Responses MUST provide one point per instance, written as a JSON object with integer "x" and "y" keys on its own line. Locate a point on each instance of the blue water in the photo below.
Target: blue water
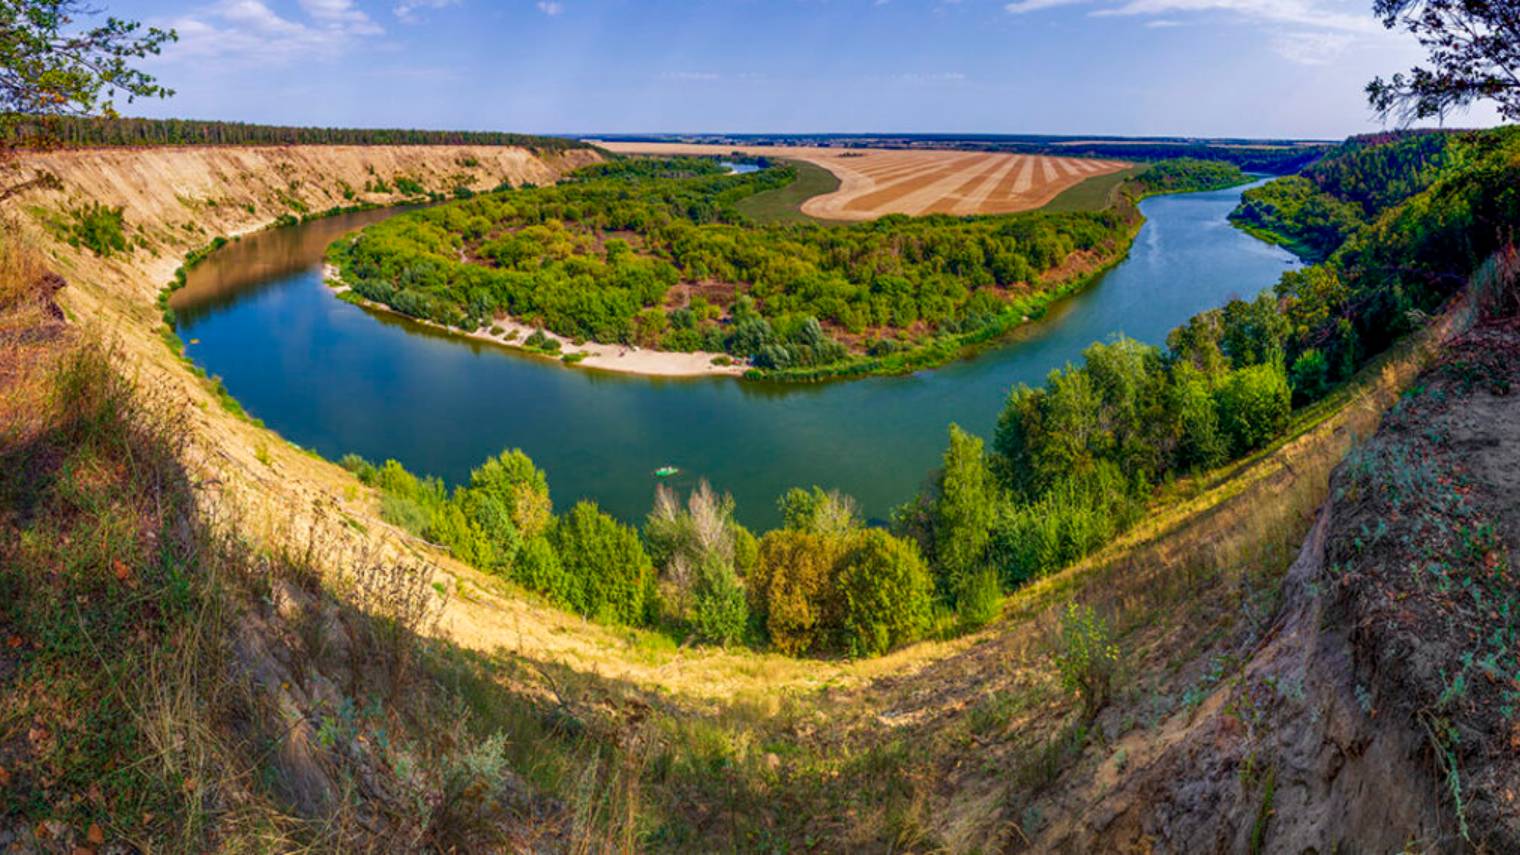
{"x": 330, "y": 376}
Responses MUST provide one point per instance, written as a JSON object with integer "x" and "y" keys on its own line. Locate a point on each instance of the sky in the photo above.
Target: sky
{"x": 1237, "y": 68}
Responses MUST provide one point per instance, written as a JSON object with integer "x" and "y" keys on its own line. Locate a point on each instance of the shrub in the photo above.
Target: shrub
{"x": 538, "y": 569}
{"x": 791, "y": 592}
{"x": 885, "y": 594}
{"x": 1254, "y": 405}
{"x": 977, "y": 599}
{"x": 1088, "y": 659}
{"x": 1310, "y": 376}
{"x": 719, "y": 610}
{"x": 608, "y": 568}
{"x": 99, "y": 228}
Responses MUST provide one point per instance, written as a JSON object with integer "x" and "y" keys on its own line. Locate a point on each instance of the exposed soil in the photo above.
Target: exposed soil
{"x": 1381, "y": 710}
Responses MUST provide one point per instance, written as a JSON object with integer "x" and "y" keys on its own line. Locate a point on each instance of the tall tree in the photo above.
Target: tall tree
{"x": 54, "y": 61}
{"x": 1474, "y": 53}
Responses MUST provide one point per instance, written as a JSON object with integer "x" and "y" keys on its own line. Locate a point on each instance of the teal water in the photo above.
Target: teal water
{"x": 336, "y": 378}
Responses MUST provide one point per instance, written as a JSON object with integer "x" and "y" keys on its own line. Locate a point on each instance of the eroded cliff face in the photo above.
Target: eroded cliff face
{"x": 1380, "y": 712}
{"x": 174, "y": 199}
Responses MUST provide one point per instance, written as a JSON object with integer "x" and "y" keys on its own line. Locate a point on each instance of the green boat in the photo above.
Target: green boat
{"x": 665, "y": 471}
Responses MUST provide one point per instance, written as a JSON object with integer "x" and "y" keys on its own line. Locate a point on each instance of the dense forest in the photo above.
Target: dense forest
{"x": 1313, "y": 213}
{"x": 100, "y": 131}
{"x": 1072, "y": 463}
{"x": 653, "y": 253}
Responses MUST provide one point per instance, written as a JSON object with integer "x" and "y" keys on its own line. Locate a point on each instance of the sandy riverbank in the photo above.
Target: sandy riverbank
{"x": 625, "y": 359}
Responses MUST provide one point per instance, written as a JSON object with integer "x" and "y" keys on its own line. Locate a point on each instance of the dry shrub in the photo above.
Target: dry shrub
{"x": 1496, "y": 284}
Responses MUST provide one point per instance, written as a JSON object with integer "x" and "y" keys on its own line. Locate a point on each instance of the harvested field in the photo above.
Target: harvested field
{"x": 875, "y": 182}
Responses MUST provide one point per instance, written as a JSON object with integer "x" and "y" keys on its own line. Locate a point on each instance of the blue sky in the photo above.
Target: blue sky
{"x": 1252, "y": 68}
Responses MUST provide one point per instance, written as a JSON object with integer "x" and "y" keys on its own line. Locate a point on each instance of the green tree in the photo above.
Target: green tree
{"x": 963, "y": 513}
{"x": 1254, "y": 406}
{"x": 607, "y": 566}
{"x": 1200, "y": 444}
{"x": 885, "y": 594}
{"x": 520, "y": 487}
{"x": 1310, "y": 376}
{"x": 818, "y": 512}
{"x": 52, "y": 63}
{"x": 719, "y": 611}
{"x": 1474, "y": 52}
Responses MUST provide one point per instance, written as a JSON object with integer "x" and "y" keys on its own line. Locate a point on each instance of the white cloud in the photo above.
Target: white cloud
{"x": 690, "y": 75}
{"x": 550, "y": 8}
{"x": 407, "y": 9}
{"x": 343, "y": 14}
{"x": 1023, "y": 7}
{"x": 1162, "y": 24}
{"x": 1311, "y": 48}
{"x": 250, "y": 30}
{"x": 1301, "y": 13}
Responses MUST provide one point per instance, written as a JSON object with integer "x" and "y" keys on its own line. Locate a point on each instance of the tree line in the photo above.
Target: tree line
{"x": 79, "y": 131}
{"x": 1315, "y": 212}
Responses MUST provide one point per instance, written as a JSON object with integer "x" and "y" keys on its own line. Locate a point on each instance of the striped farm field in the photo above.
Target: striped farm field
{"x": 875, "y": 182}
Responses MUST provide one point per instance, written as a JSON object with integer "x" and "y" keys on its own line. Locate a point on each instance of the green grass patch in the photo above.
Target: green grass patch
{"x": 1098, "y": 193}
{"x": 784, "y": 204}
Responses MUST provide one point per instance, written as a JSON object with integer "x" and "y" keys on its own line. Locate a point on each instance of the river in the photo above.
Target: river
{"x": 336, "y": 378}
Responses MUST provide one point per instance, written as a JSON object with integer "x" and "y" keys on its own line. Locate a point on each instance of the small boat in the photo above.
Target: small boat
{"x": 665, "y": 471}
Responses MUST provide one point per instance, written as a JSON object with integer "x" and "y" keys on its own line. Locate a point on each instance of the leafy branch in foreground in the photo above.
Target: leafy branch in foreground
{"x": 1474, "y": 53}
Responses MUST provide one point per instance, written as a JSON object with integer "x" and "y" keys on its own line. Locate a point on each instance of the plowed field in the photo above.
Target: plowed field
{"x": 874, "y": 182}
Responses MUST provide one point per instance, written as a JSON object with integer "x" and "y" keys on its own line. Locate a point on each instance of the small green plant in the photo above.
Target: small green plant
{"x": 1088, "y": 658}
{"x": 409, "y": 186}
{"x": 98, "y": 228}
{"x": 261, "y": 453}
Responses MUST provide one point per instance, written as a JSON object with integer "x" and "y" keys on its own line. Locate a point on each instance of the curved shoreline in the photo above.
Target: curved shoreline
{"x": 622, "y": 359}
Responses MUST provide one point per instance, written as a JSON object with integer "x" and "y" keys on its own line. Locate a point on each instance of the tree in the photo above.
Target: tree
{"x": 885, "y": 594}
{"x": 52, "y": 65}
{"x": 1474, "y": 53}
{"x": 963, "y": 513}
{"x": 1254, "y": 406}
{"x": 792, "y": 590}
{"x": 818, "y": 512}
{"x": 699, "y": 551}
{"x": 605, "y": 561}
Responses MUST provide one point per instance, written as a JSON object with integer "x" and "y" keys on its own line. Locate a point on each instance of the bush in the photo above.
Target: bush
{"x": 978, "y": 599}
{"x": 608, "y": 571}
{"x": 1088, "y": 659}
{"x": 98, "y": 228}
{"x": 791, "y": 591}
{"x": 885, "y": 594}
{"x": 719, "y": 611}
{"x": 1310, "y": 377}
{"x": 1254, "y": 405}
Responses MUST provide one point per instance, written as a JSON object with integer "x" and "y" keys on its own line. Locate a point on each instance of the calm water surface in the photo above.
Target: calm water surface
{"x": 334, "y": 377}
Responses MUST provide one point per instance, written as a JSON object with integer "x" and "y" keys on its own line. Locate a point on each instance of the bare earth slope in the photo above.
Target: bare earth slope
{"x": 876, "y": 182}
{"x": 1379, "y": 711}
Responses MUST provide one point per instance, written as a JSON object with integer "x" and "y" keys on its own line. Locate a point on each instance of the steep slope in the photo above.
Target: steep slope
{"x": 1378, "y": 712}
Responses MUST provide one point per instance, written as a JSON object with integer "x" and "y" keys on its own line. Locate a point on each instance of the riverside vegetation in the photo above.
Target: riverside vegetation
{"x": 1072, "y": 464}
{"x": 657, "y": 254}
